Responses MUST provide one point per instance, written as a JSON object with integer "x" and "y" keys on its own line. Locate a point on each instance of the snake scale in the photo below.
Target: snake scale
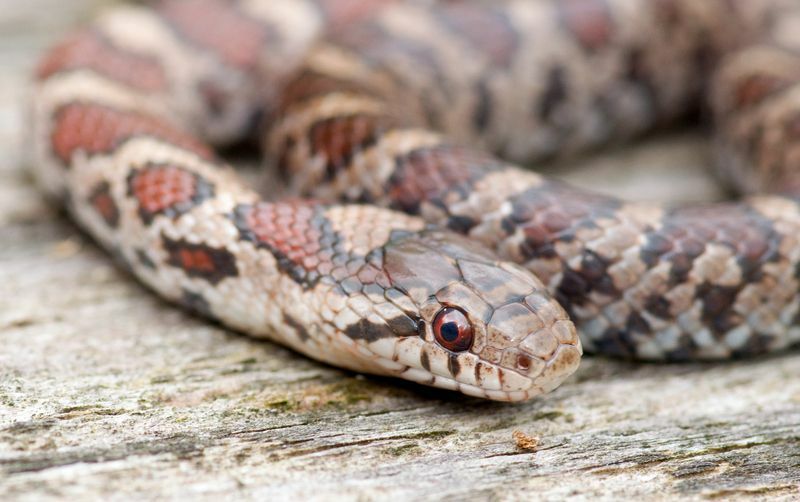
{"x": 422, "y": 252}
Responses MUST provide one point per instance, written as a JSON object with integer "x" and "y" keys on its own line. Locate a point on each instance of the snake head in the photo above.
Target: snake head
{"x": 453, "y": 316}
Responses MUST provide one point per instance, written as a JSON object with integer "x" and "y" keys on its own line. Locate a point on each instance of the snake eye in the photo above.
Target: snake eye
{"x": 452, "y": 330}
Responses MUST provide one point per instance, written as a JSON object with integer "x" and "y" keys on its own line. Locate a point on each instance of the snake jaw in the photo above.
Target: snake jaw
{"x": 521, "y": 341}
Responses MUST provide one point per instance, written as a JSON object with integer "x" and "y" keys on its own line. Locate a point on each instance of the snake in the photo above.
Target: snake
{"x": 411, "y": 238}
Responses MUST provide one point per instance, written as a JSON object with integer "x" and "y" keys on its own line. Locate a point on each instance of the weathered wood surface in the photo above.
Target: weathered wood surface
{"x": 105, "y": 392}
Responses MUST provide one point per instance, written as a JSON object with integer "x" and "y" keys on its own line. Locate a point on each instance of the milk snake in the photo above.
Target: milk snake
{"x": 410, "y": 106}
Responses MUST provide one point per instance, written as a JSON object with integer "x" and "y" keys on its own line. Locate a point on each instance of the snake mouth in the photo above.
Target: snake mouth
{"x": 479, "y": 378}
{"x": 486, "y": 328}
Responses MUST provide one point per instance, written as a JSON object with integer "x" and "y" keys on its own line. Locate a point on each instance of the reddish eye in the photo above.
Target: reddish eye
{"x": 452, "y": 330}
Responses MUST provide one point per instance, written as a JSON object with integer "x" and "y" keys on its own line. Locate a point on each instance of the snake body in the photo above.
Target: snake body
{"x": 411, "y": 106}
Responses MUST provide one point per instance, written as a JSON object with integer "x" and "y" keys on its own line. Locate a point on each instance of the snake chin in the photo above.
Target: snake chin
{"x": 460, "y": 319}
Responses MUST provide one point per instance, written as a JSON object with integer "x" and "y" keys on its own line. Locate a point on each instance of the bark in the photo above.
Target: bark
{"x": 105, "y": 391}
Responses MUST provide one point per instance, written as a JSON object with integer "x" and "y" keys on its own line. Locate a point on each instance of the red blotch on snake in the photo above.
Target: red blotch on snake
{"x": 96, "y": 129}
{"x": 89, "y": 50}
{"x": 427, "y": 174}
{"x": 219, "y": 26}
{"x": 589, "y": 21}
{"x": 340, "y": 138}
{"x": 294, "y": 231}
{"x": 487, "y": 30}
{"x": 755, "y": 88}
{"x": 201, "y": 261}
{"x": 102, "y": 202}
{"x": 345, "y": 12}
{"x": 168, "y": 190}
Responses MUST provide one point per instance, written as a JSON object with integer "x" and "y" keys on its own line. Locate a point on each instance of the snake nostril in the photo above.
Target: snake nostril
{"x": 523, "y": 362}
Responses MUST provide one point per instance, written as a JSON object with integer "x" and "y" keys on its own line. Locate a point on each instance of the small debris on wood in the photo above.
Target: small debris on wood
{"x": 526, "y": 442}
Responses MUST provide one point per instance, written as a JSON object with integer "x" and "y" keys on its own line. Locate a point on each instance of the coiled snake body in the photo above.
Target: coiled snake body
{"x": 410, "y": 106}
